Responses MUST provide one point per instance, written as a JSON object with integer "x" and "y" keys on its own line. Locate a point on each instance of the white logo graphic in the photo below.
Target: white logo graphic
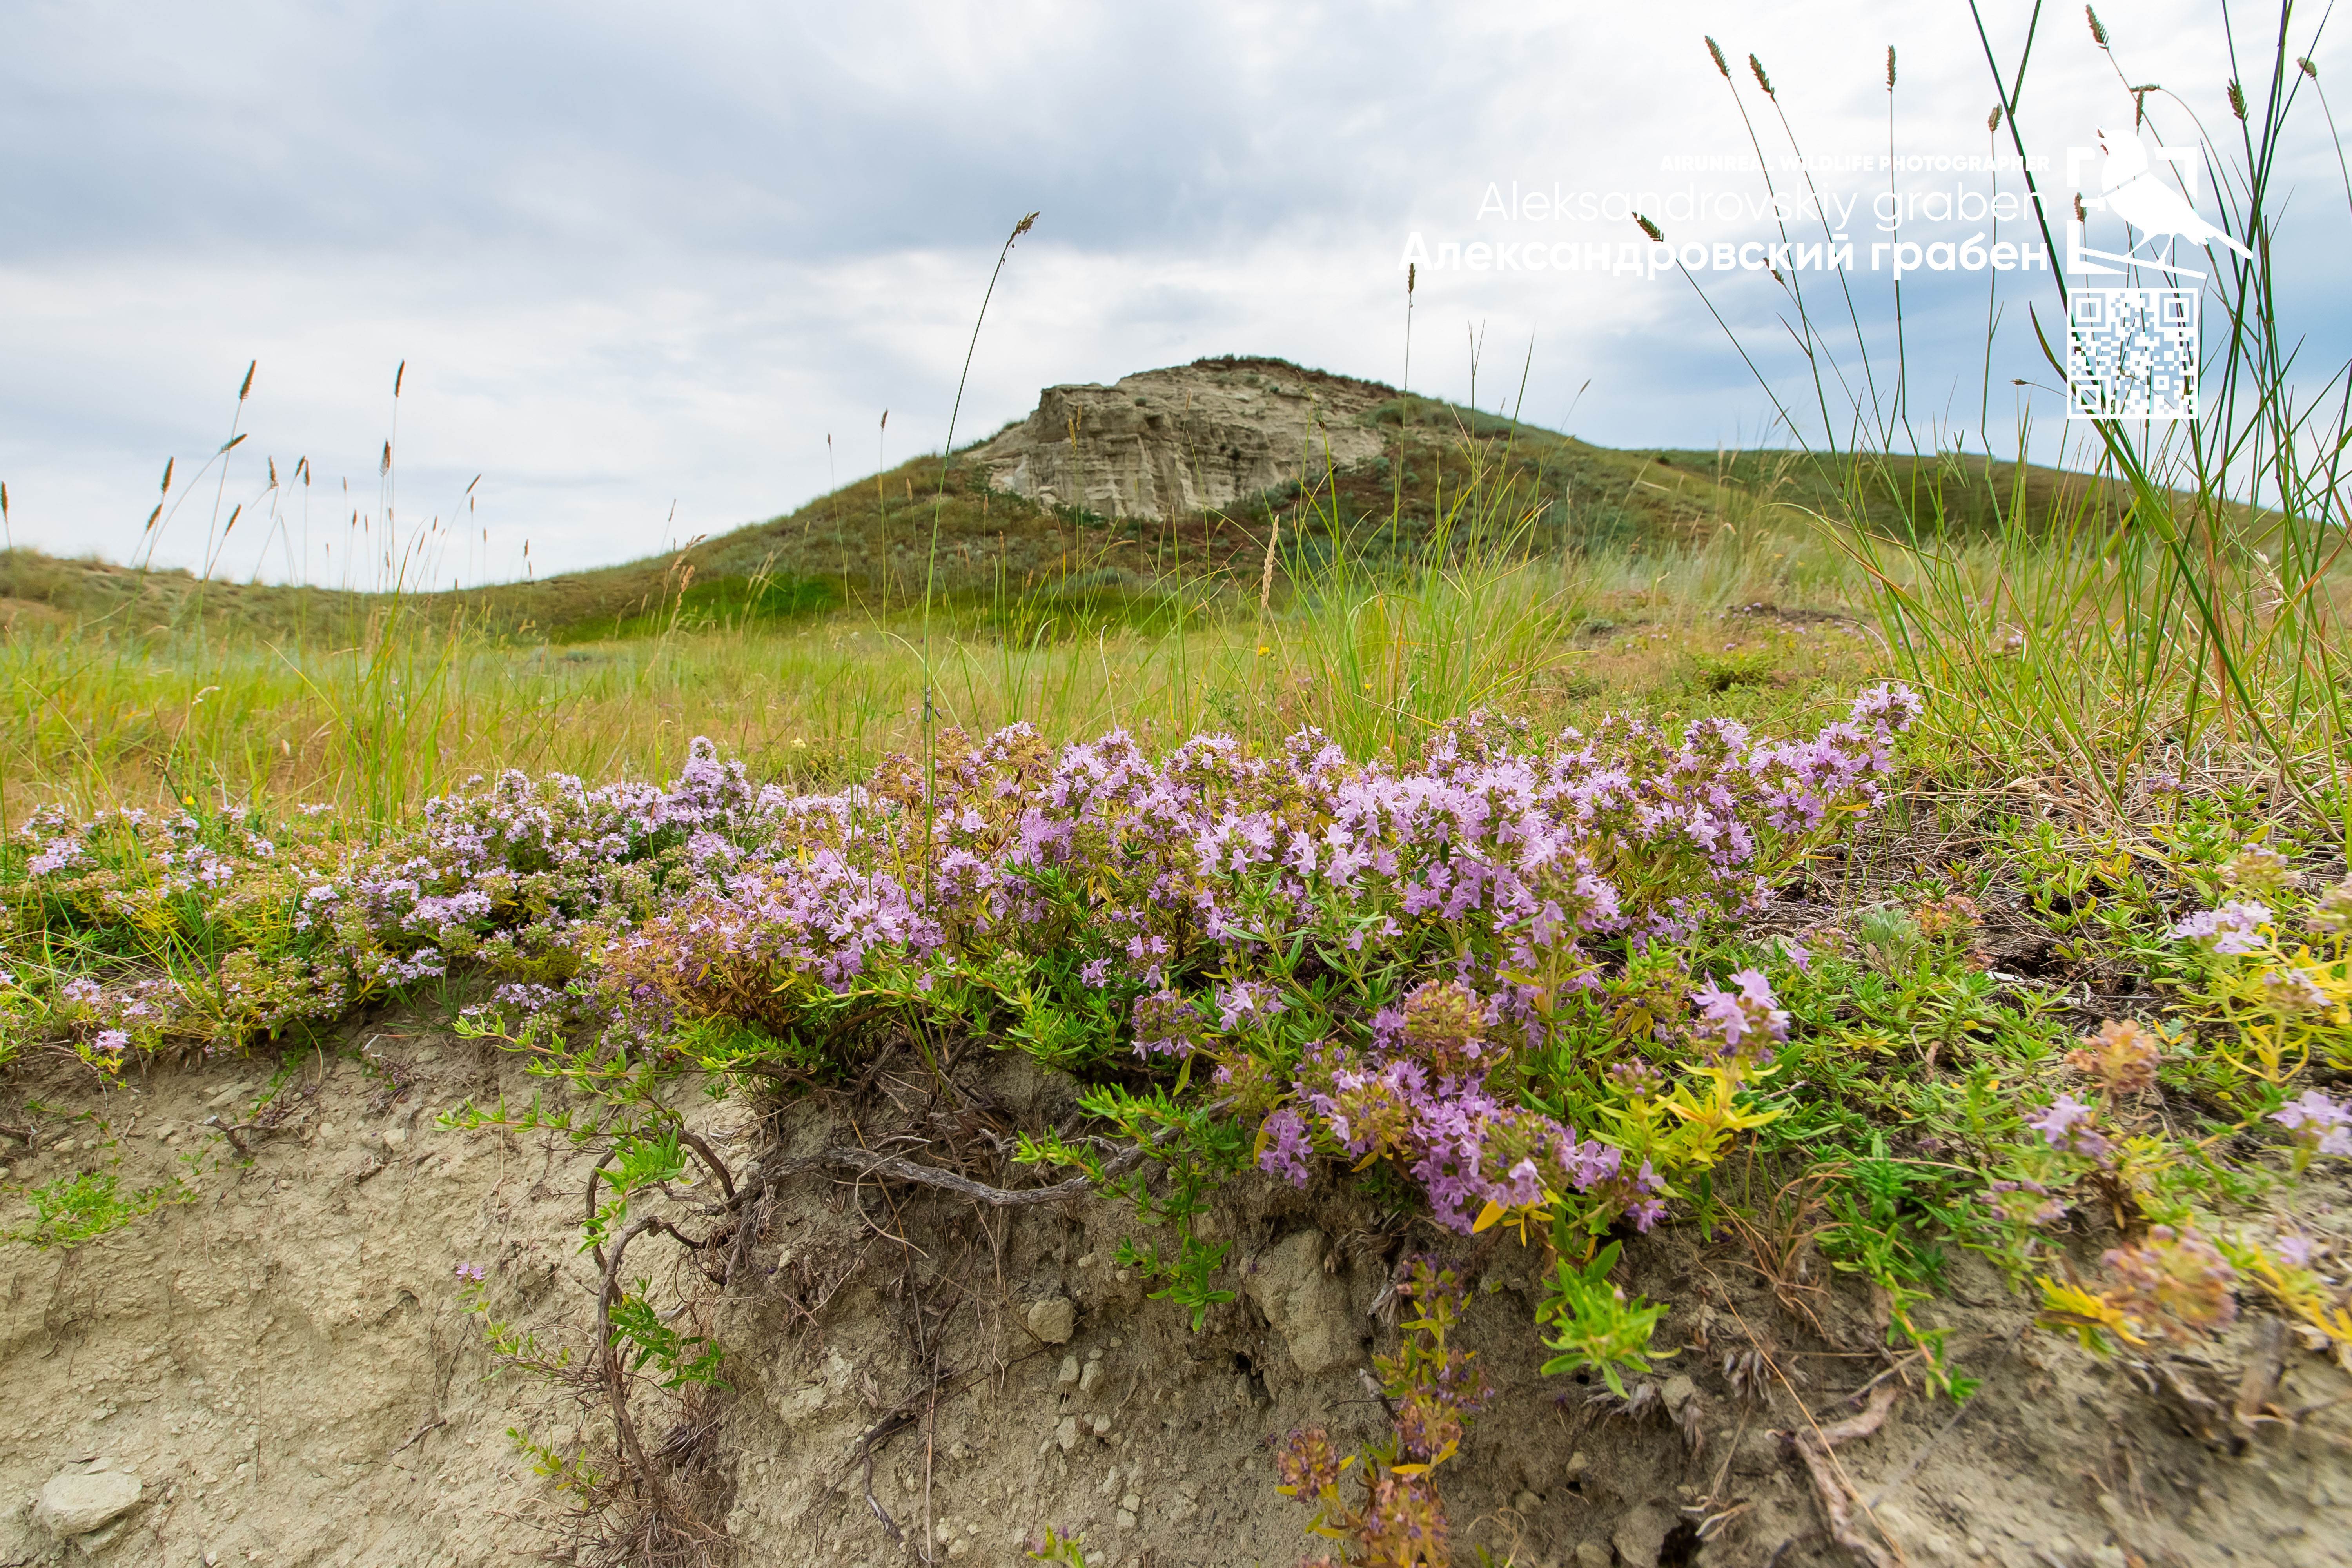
{"x": 2132, "y": 352}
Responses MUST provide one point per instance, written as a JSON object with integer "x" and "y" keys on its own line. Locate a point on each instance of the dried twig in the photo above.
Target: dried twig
{"x": 418, "y": 1435}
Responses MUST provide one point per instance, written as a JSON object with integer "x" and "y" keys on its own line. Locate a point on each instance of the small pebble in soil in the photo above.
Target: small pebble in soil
{"x": 1053, "y": 1320}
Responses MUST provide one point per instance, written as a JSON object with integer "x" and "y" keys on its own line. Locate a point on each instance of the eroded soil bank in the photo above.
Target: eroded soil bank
{"x": 291, "y": 1366}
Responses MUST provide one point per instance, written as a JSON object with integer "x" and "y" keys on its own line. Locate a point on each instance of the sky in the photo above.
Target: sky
{"x": 655, "y": 272}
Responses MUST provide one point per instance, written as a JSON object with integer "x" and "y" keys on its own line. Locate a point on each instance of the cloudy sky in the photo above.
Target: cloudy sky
{"x": 642, "y": 261}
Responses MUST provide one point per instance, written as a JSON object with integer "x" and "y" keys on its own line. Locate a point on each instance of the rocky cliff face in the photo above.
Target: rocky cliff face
{"x": 1166, "y": 442}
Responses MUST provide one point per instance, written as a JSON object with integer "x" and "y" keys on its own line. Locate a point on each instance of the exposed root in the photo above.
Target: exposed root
{"x": 867, "y": 1162}
{"x": 1814, "y": 1445}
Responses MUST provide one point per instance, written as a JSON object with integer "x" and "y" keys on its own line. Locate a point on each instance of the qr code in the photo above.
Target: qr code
{"x": 2131, "y": 353}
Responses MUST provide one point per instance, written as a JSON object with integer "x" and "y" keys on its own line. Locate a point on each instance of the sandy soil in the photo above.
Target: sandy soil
{"x": 288, "y": 1362}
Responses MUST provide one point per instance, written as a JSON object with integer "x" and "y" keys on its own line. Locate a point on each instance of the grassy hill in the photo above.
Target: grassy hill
{"x": 1455, "y": 480}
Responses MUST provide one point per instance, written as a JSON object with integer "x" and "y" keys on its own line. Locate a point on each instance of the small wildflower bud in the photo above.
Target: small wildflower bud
{"x": 1404, "y": 1522}
{"x": 1637, "y": 1080}
{"x": 2122, "y": 1055}
{"x": 1165, "y": 1026}
{"x": 2175, "y": 1282}
{"x": 1306, "y": 1464}
{"x": 1445, "y": 1026}
{"x": 1426, "y": 1426}
{"x": 2256, "y": 868}
{"x": 1955, "y": 914}
{"x": 2025, "y": 1203}
{"x": 2333, "y": 913}
{"x": 2292, "y": 992}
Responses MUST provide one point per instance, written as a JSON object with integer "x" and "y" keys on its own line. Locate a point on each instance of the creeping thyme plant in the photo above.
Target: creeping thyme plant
{"x": 1517, "y": 982}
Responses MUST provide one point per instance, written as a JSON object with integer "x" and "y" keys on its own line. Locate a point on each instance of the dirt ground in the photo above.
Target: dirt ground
{"x": 287, "y": 1364}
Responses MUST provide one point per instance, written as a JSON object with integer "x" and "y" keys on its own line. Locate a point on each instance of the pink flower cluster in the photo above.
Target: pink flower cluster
{"x": 1422, "y": 1101}
{"x": 1171, "y": 883}
{"x": 1202, "y": 860}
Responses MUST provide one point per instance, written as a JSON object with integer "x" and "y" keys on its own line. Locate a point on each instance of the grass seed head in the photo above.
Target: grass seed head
{"x": 1721, "y": 64}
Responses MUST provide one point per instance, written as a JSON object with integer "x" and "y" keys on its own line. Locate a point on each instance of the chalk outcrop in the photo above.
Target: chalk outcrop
{"x": 1163, "y": 443}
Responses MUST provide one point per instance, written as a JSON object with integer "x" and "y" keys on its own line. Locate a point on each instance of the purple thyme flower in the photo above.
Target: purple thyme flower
{"x": 2317, "y": 1124}
{"x": 2066, "y": 1127}
{"x": 2233, "y": 929}
{"x": 56, "y": 857}
{"x": 1287, "y": 1148}
{"x": 1740, "y": 1023}
{"x": 1250, "y": 999}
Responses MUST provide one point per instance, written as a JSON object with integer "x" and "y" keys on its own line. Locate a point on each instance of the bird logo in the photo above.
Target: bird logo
{"x": 2130, "y": 187}
{"x": 2131, "y": 191}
